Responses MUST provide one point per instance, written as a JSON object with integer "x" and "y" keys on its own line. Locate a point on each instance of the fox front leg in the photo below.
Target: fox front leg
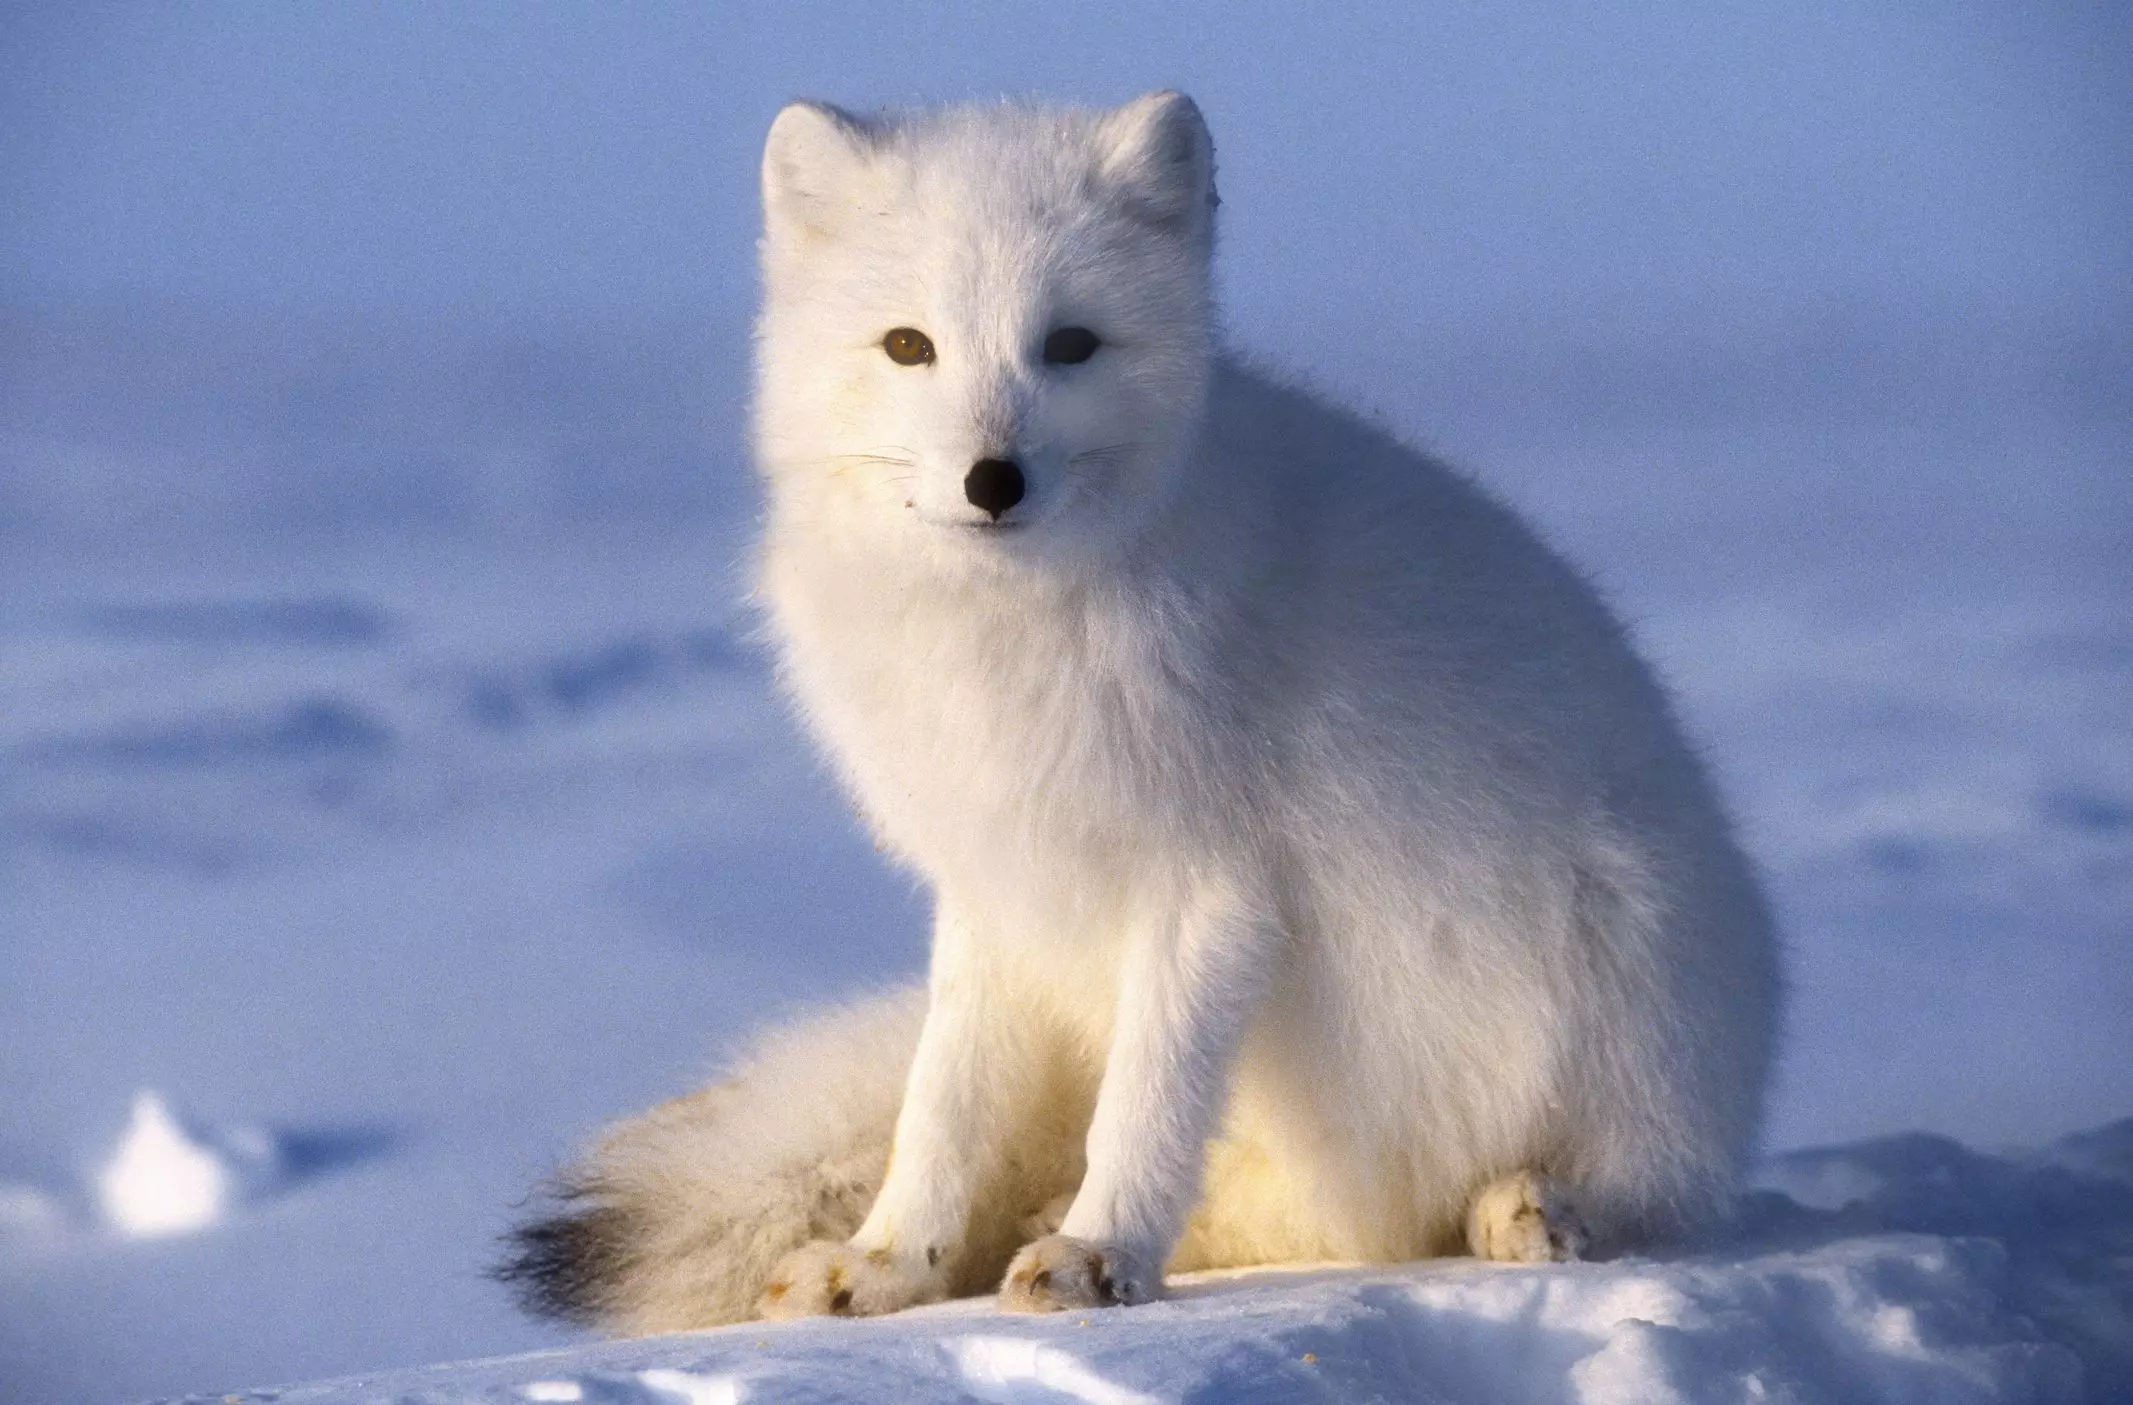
{"x": 965, "y": 1079}
{"x": 1189, "y": 985}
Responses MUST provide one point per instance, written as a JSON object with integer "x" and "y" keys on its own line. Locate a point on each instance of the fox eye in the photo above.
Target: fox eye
{"x": 1070, "y": 346}
{"x": 908, "y": 346}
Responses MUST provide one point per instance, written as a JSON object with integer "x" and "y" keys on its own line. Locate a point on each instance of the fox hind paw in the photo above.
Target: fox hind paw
{"x": 1525, "y": 1219}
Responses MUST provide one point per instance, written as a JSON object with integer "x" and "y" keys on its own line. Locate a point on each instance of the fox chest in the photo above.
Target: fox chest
{"x": 1014, "y": 754}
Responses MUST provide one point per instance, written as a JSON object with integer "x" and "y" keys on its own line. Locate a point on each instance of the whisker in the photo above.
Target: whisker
{"x": 1101, "y": 452}
{"x": 846, "y": 463}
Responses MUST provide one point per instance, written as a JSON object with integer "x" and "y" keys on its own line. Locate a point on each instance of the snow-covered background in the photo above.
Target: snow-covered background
{"x": 389, "y": 783}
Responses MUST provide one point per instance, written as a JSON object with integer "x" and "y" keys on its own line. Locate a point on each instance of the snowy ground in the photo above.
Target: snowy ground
{"x": 1807, "y": 1305}
{"x": 395, "y": 859}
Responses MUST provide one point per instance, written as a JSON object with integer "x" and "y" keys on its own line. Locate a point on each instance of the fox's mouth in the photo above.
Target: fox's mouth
{"x": 985, "y": 527}
{"x": 974, "y": 526}
{"x": 978, "y": 526}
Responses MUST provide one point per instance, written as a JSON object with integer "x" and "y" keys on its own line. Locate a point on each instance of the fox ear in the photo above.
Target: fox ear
{"x": 813, "y": 161}
{"x": 1159, "y": 157}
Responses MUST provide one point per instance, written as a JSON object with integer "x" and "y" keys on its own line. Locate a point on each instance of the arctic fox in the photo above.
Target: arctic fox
{"x": 1318, "y": 874}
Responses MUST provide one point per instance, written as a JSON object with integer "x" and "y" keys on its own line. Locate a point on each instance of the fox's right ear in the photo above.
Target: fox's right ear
{"x": 813, "y": 161}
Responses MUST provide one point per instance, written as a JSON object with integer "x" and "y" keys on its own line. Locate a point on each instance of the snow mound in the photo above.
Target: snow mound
{"x": 1906, "y": 1269}
{"x": 169, "y": 1177}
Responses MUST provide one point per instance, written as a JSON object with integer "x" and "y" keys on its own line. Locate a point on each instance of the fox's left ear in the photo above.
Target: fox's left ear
{"x": 1159, "y": 157}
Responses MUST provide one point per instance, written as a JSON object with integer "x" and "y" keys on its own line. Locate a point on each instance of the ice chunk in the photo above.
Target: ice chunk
{"x": 167, "y": 1178}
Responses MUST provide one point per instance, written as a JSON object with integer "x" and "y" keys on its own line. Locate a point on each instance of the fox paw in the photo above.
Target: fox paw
{"x": 830, "y": 1279}
{"x": 1525, "y": 1219}
{"x": 1056, "y": 1273}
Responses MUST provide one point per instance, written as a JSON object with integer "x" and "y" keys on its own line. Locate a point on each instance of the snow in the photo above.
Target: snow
{"x": 1960, "y": 1278}
{"x": 1946, "y": 1275}
{"x": 168, "y": 1178}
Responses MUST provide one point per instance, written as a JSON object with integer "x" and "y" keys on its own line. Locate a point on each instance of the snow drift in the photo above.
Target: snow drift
{"x": 170, "y": 1177}
{"x": 1901, "y": 1269}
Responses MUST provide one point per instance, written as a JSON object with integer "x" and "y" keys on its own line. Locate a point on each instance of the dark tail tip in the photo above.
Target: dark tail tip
{"x": 566, "y": 1265}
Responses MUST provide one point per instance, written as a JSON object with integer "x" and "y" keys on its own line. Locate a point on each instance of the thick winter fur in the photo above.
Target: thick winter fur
{"x": 1319, "y": 874}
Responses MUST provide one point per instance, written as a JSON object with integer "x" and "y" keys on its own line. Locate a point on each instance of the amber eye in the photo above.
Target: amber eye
{"x": 908, "y": 346}
{"x": 1070, "y": 346}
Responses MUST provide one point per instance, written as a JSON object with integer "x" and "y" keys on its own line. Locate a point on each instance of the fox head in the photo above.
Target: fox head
{"x": 986, "y": 331}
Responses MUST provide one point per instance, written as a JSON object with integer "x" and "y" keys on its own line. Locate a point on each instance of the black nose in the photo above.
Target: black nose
{"x": 994, "y": 485}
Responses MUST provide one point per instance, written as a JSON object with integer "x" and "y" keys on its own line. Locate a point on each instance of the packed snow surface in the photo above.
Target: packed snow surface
{"x": 1952, "y": 1277}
